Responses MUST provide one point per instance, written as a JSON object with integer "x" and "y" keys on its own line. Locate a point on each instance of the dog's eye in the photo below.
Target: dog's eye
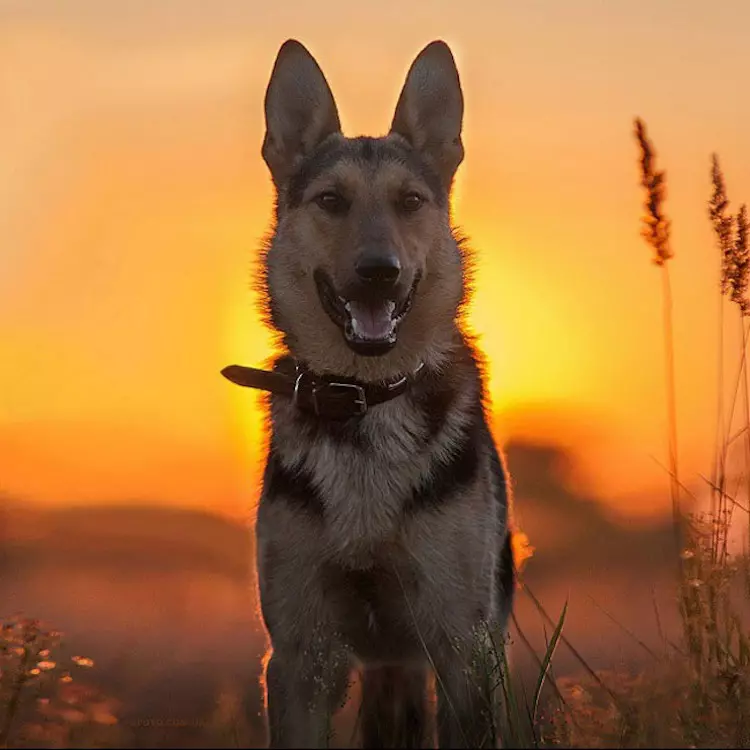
{"x": 331, "y": 202}
{"x": 410, "y": 202}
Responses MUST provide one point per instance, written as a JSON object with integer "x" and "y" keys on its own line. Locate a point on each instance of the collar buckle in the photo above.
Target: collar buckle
{"x": 348, "y": 397}
{"x": 358, "y": 400}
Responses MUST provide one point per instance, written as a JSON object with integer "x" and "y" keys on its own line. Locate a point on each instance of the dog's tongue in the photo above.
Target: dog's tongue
{"x": 372, "y": 321}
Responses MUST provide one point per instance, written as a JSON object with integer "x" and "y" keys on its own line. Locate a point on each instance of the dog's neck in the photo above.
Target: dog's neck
{"x": 325, "y": 395}
{"x": 290, "y": 364}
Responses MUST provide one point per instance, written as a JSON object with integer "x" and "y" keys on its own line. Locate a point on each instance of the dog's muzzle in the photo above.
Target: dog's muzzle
{"x": 369, "y": 322}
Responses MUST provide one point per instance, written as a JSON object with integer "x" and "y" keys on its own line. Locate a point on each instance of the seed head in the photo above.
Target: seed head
{"x": 740, "y": 271}
{"x": 718, "y": 211}
{"x": 656, "y": 225}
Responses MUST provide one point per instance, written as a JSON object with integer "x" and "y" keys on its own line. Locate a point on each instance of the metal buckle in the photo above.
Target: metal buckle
{"x": 398, "y": 383}
{"x": 300, "y": 373}
{"x": 359, "y": 401}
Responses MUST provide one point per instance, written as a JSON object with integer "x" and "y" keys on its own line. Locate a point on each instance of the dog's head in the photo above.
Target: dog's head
{"x": 363, "y": 274}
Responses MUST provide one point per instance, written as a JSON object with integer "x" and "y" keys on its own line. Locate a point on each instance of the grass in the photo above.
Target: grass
{"x": 694, "y": 693}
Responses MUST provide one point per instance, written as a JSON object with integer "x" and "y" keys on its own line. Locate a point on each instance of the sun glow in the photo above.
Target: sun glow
{"x": 247, "y": 342}
{"x": 533, "y": 352}
{"x": 133, "y": 198}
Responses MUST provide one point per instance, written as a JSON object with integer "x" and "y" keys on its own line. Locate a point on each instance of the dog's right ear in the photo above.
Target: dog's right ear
{"x": 300, "y": 110}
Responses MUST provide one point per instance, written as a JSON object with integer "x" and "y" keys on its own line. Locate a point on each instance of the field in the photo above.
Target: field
{"x": 133, "y": 198}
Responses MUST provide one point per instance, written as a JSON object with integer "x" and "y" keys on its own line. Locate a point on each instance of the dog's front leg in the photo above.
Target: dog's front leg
{"x": 393, "y": 709}
{"x": 304, "y": 688}
{"x": 467, "y": 681}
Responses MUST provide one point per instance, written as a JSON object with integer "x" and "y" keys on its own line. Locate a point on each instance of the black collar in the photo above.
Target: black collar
{"x": 323, "y": 395}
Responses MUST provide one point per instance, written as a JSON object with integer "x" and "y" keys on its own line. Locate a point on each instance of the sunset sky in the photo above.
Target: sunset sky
{"x": 133, "y": 197}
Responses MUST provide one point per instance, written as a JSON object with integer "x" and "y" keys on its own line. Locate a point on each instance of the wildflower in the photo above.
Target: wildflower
{"x": 83, "y": 661}
{"x": 101, "y": 714}
{"x": 656, "y": 225}
{"x": 46, "y": 665}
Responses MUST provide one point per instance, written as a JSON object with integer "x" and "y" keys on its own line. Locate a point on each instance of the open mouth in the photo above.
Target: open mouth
{"x": 370, "y": 326}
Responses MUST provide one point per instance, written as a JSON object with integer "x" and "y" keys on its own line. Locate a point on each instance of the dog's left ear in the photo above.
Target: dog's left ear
{"x": 300, "y": 110}
{"x": 430, "y": 109}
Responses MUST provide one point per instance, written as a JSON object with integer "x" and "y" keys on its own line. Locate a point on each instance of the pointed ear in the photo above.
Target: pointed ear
{"x": 300, "y": 110}
{"x": 430, "y": 109}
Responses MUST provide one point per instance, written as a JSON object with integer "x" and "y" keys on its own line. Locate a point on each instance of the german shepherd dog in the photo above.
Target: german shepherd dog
{"x": 383, "y": 531}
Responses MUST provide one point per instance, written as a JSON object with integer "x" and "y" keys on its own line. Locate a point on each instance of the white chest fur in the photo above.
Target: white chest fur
{"x": 364, "y": 482}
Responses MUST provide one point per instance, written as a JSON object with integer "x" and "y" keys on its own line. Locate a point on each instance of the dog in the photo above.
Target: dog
{"x": 383, "y": 528}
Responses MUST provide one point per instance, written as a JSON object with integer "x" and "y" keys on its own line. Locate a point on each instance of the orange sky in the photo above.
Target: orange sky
{"x": 133, "y": 195}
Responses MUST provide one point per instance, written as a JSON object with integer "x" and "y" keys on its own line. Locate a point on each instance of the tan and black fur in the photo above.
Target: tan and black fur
{"x": 383, "y": 539}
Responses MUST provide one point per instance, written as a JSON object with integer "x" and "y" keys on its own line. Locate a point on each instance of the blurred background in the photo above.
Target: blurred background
{"x": 133, "y": 199}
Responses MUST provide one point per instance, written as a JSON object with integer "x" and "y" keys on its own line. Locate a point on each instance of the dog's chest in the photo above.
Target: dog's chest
{"x": 369, "y": 608}
{"x": 363, "y": 474}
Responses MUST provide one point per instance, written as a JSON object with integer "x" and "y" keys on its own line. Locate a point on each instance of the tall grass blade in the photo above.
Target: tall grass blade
{"x": 547, "y": 660}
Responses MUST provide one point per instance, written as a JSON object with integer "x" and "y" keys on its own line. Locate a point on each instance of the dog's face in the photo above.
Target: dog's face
{"x": 363, "y": 273}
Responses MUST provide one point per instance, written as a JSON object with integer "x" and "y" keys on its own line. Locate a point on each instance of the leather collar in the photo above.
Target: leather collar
{"x": 324, "y": 395}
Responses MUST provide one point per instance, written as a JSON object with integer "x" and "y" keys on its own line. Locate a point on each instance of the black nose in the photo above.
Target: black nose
{"x": 383, "y": 268}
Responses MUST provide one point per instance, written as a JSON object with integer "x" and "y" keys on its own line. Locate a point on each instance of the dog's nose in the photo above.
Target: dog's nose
{"x": 383, "y": 268}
